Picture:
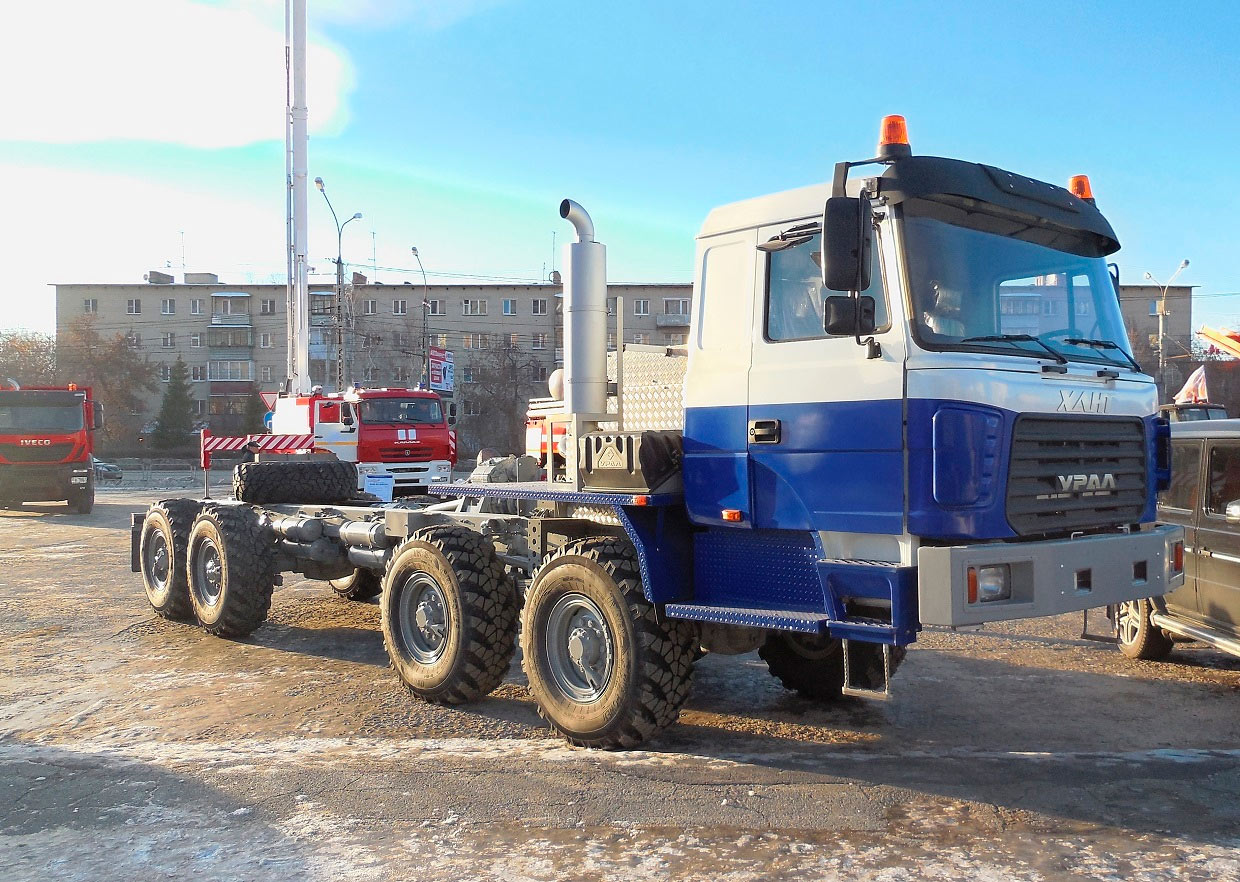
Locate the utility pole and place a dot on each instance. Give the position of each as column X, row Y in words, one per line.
column 425, row 377
column 340, row 368
column 1162, row 327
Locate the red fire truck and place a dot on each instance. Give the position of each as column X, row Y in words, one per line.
column 46, row 442
column 404, row 433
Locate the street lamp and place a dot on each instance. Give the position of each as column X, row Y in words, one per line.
column 340, row 371
column 1162, row 324
column 425, row 377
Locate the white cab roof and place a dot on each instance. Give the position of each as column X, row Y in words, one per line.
column 803, row 203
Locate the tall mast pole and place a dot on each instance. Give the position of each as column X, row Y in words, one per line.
column 298, row 296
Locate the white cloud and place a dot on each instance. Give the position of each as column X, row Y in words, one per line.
column 172, row 71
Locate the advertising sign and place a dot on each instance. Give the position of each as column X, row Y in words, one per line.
column 442, row 370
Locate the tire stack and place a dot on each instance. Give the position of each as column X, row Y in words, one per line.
column 317, row 482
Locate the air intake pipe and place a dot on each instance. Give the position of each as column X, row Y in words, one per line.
column 585, row 316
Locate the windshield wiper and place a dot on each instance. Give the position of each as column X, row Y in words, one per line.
column 1017, row 338
column 1104, row 344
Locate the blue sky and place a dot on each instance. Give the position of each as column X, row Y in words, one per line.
column 458, row 127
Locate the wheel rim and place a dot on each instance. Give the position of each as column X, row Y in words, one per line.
column 158, row 562
column 423, row 616
column 1128, row 622
column 208, row 572
column 580, row 648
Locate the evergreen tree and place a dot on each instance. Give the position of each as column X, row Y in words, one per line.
column 176, row 417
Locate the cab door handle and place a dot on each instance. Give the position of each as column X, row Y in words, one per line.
column 764, row 431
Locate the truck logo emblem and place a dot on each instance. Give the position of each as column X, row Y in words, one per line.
column 1071, row 401
column 35, row 442
column 1082, row 485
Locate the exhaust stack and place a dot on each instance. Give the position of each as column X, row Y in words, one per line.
column 585, row 316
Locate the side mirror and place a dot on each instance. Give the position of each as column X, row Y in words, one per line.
column 346, row 420
column 1232, row 512
column 97, row 415
column 845, row 316
column 451, row 413
column 847, row 240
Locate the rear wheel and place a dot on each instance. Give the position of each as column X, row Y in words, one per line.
column 230, row 570
column 449, row 615
column 161, row 550
column 604, row 670
column 1138, row 636
column 361, row 584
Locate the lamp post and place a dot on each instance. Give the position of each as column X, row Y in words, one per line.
column 1162, row 326
column 425, row 377
column 340, row 371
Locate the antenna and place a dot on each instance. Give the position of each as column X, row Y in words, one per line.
column 374, row 258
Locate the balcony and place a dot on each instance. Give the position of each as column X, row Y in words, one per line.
column 230, row 353
column 236, row 320
column 672, row 320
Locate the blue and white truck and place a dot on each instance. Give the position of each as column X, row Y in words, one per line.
column 905, row 399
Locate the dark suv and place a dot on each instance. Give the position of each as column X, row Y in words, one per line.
column 1204, row 498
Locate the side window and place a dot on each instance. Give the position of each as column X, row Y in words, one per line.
column 794, row 293
column 329, row 412
column 1224, row 477
column 1185, row 475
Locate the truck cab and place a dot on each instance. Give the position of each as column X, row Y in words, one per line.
column 46, row 442
column 404, row 433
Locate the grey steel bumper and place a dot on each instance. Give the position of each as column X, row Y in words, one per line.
column 1047, row 576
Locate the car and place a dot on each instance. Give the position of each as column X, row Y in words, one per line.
column 1183, row 413
column 1204, row 498
column 107, row 473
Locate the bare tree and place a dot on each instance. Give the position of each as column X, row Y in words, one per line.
column 504, row 380
column 123, row 379
column 28, row 357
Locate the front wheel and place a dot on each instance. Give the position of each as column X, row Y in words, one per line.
column 1139, row 637
column 604, row 670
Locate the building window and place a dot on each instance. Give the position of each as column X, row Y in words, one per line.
column 133, row 340
column 198, row 373
column 471, row 409
column 264, row 341
column 538, row 306
column 169, row 340
column 1153, row 307
column 540, row 341
column 539, row 372
column 434, row 307
column 400, row 307
column 195, row 341
column 370, row 307
column 230, row 306
column 371, row 341
column 473, row 307
column 675, row 339
column 165, row 372
column 268, row 370
column 400, row 339
column 372, row 374
column 200, row 407
column 467, row 373
column 510, row 306
column 467, row 341
column 90, row 306
column 168, row 306
column 639, row 338
column 229, row 370
column 403, row 374
column 195, row 306
column 641, row 307
column 611, row 305
column 611, row 339
column 440, row 340
column 510, row 341
column 676, row 306
column 133, row 306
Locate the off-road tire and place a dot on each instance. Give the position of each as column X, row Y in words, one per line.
column 1137, row 636
column 317, row 482
column 813, row 665
column 463, row 651
column 651, row 672
column 83, row 501
column 238, row 599
column 361, row 584
column 162, row 546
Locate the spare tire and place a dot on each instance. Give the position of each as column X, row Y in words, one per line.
column 313, row 482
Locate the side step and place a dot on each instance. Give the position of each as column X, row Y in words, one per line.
column 779, row 619
column 851, row 688
column 1196, row 632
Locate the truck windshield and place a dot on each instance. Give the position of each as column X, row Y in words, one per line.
column 40, row 418
column 980, row 291
column 401, row 410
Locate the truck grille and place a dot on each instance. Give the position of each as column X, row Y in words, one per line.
column 405, row 454
column 18, row 453
column 1071, row 473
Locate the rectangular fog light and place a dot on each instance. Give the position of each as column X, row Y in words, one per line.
column 994, row 583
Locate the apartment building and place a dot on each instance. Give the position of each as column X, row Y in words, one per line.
column 234, row 337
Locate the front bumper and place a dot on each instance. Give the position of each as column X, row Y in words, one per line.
column 407, row 476
column 35, row 483
column 1050, row 577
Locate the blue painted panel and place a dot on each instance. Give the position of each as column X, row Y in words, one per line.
column 765, row 569
column 664, row 550
column 838, row 466
column 966, row 455
column 716, row 466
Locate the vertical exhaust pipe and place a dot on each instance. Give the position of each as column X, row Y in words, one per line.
column 585, row 316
